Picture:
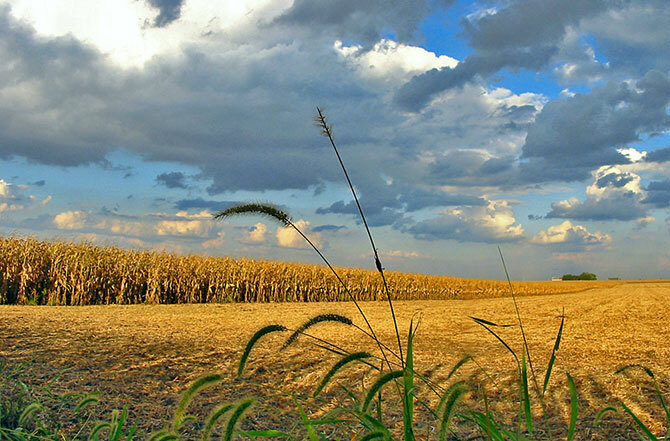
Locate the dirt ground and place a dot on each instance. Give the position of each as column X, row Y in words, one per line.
column 144, row 356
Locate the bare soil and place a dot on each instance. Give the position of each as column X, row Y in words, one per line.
column 144, row 356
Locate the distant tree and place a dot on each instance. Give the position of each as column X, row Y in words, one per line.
column 582, row 276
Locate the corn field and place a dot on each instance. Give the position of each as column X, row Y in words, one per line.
column 61, row 273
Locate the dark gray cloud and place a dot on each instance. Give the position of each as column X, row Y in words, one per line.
column 386, row 204
column 418, row 92
column 472, row 167
column 168, row 11
column 525, row 34
column 39, row 183
column 658, row 194
column 172, row 179
column 328, row 228
column 624, row 207
column 570, row 137
column 361, row 21
column 633, row 38
column 660, row 155
column 65, row 74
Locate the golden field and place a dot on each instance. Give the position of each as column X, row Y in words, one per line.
column 144, row 356
column 61, row 273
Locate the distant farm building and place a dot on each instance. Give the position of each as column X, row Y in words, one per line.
column 557, row 279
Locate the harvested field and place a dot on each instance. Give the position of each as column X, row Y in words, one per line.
column 144, row 356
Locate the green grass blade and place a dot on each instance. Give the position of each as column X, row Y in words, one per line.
column 214, row 417
column 408, row 388
column 339, row 365
column 334, row 318
column 236, row 417
column 525, row 394
column 553, row 354
column 644, row 428
column 253, row 340
column 574, row 407
column 390, row 376
column 311, row 431
column 188, row 395
column 488, row 323
column 485, row 324
column 602, row 413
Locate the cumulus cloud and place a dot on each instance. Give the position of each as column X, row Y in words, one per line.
column 614, row 195
column 257, row 233
column 493, row 223
column 289, row 238
column 70, row 220
column 567, row 236
column 183, row 228
column 391, row 62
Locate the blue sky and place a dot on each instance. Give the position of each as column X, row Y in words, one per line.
column 541, row 127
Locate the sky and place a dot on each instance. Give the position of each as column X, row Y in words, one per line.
column 540, row 127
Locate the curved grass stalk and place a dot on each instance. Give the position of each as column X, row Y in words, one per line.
column 188, row 396
column 333, row 318
column 281, row 216
column 214, row 417
column 236, row 416
column 252, row 341
column 356, row 356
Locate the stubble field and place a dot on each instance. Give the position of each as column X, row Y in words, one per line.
column 144, row 356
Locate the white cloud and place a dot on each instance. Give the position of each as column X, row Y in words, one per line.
column 632, row 154
column 70, row 220
column 390, row 61
column 183, row 228
column 288, row 237
column 257, row 233
column 567, row 233
column 121, row 28
column 400, row 253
